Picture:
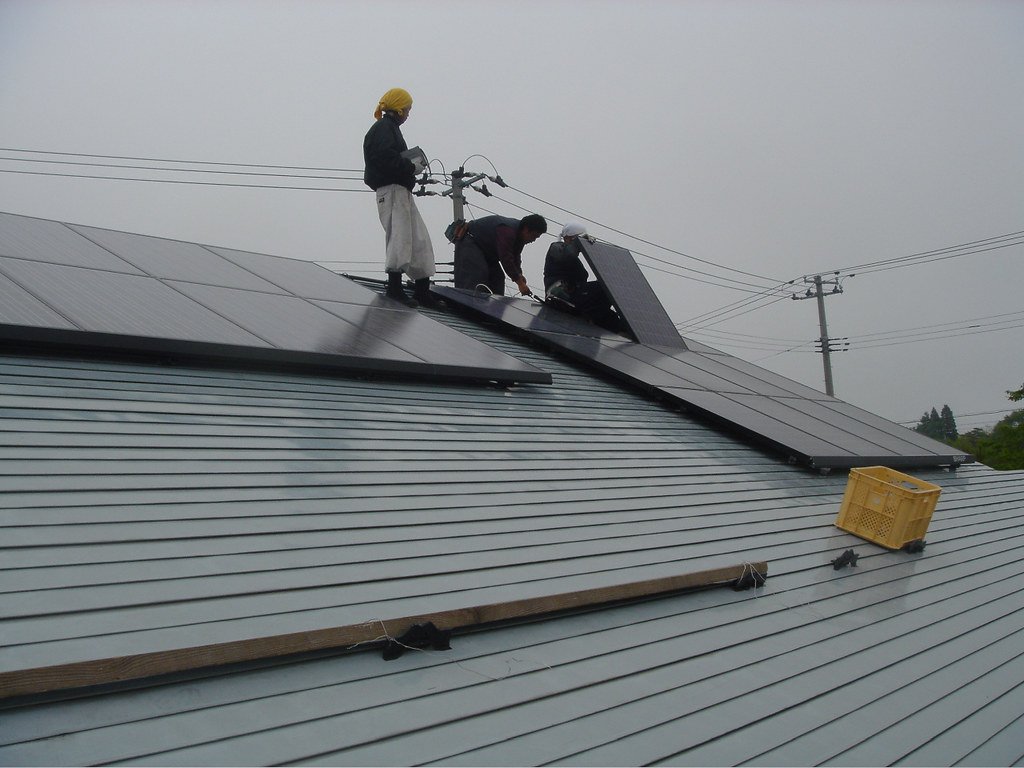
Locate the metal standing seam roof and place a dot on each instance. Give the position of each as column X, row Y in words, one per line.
column 146, row 503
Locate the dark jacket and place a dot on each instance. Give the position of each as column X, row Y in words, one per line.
column 497, row 237
column 382, row 152
column 563, row 263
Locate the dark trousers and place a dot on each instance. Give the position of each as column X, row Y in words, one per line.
column 472, row 268
column 592, row 302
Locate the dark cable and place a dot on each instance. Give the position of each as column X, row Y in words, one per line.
column 188, row 162
column 640, row 239
column 182, row 181
column 896, row 343
column 664, row 261
column 179, row 170
column 925, row 255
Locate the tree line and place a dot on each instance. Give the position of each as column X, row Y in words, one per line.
column 1002, row 447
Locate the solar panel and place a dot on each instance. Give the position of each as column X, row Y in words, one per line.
column 432, row 341
column 18, row 306
column 527, row 315
column 89, row 287
column 113, row 302
column 50, row 241
column 801, row 423
column 631, row 294
column 301, row 278
column 176, row 260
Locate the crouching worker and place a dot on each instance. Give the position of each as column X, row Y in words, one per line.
column 492, row 248
column 565, row 281
column 392, row 177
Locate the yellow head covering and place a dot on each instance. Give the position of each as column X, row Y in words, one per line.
column 395, row 100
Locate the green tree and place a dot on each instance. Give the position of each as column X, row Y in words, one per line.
column 971, row 442
column 922, row 425
column 939, row 426
column 1003, row 447
column 949, row 432
column 931, row 425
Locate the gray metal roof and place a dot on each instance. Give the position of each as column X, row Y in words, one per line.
column 147, row 506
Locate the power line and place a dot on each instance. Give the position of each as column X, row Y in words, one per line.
column 766, row 302
column 938, row 326
column 761, row 342
column 934, row 338
column 940, row 258
column 938, row 254
column 923, row 257
column 346, row 261
column 695, row 279
column 753, row 347
column 784, row 351
column 970, row 425
column 180, row 170
column 871, row 340
column 648, row 256
column 765, row 343
column 635, row 252
column 964, row 415
column 768, row 339
column 183, row 181
column 647, row 242
column 187, row 162
column 699, row 322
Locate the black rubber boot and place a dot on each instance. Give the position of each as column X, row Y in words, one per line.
column 423, row 295
column 395, row 290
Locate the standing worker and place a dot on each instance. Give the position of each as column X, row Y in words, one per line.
column 492, row 248
column 392, row 177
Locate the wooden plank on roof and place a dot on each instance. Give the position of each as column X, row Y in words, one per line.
column 369, row 715
column 118, row 669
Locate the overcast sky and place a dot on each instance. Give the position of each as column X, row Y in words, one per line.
column 753, row 142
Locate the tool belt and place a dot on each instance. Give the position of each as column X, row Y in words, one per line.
column 456, row 230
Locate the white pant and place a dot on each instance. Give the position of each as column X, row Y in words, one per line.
column 408, row 242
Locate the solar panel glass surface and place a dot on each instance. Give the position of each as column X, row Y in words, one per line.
column 90, row 287
column 802, row 423
column 631, row 294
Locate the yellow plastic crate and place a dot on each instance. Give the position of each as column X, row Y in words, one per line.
column 886, row 506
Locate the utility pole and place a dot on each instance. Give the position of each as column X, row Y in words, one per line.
column 458, row 199
column 460, row 180
column 826, row 349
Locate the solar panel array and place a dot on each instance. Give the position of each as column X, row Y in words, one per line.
column 89, row 287
column 803, row 424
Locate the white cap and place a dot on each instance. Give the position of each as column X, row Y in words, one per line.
column 572, row 229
